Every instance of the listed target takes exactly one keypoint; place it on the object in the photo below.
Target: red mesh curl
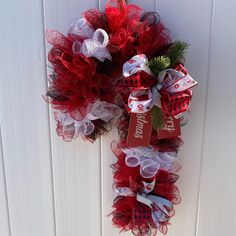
(96, 19)
(58, 40)
(152, 40)
(119, 14)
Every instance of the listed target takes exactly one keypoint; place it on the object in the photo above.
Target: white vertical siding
(24, 120)
(217, 184)
(52, 188)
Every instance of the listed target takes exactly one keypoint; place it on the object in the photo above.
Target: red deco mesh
(129, 214)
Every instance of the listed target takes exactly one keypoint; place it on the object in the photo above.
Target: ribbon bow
(150, 160)
(160, 207)
(84, 126)
(171, 90)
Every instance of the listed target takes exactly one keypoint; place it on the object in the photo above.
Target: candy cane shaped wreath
(119, 67)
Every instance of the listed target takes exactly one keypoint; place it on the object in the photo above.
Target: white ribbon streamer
(150, 160)
(96, 46)
(100, 110)
(95, 42)
(138, 106)
(135, 64)
(173, 81)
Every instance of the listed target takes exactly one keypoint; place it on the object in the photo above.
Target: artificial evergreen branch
(176, 52)
(159, 64)
(157, 118)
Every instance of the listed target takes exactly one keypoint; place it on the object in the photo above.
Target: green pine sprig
(176, 52)
(159, 64)
(157, 118)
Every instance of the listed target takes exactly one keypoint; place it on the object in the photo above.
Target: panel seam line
(5, 182)
(49, 124)
(204, 120)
